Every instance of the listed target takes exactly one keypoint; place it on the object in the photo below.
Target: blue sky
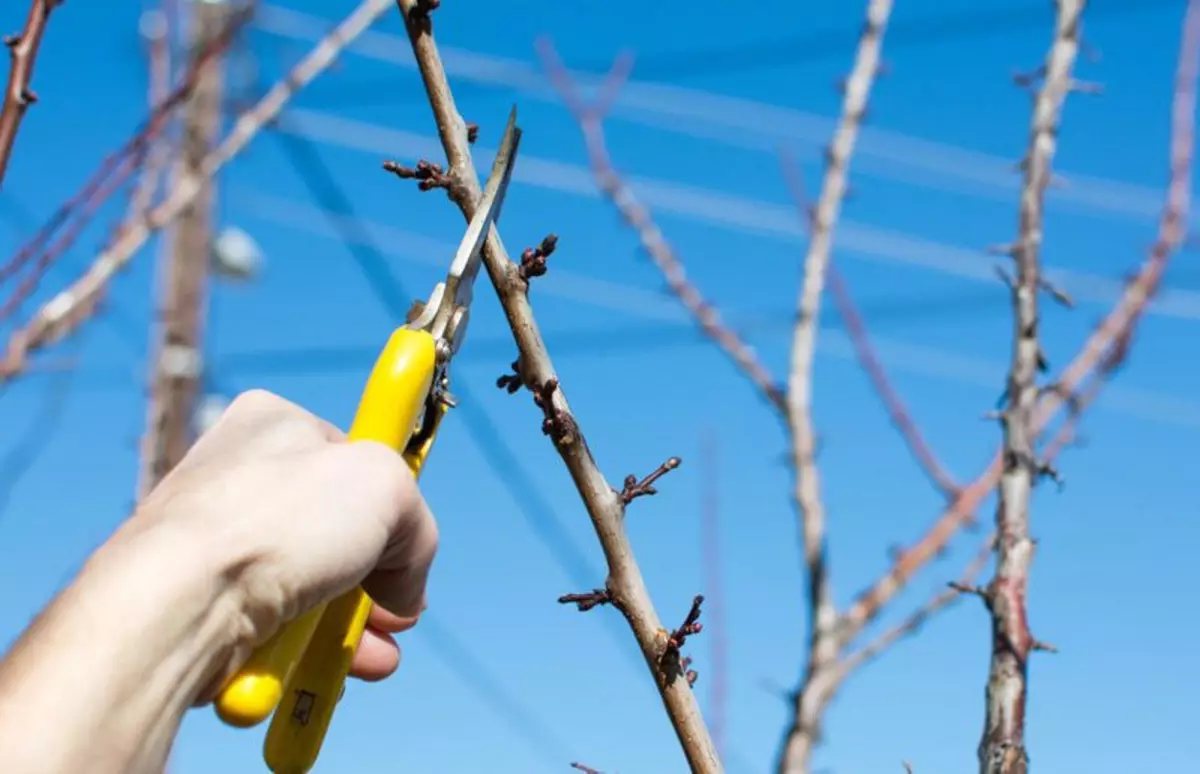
(499, 675)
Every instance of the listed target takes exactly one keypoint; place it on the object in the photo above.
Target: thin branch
(590, 118)
(913, 623)
(624, 583)
(18, 96)
(60, 316)
(864, 351)
(820, 674)
(1002, 748)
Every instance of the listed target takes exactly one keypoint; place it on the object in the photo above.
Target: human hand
(305, 516)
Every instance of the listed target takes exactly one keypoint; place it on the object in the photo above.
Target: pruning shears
(300, 672)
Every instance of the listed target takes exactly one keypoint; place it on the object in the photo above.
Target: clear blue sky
(499, 676)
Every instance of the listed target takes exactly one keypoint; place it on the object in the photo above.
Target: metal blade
(465, 267)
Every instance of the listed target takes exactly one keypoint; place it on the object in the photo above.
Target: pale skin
(272, 512)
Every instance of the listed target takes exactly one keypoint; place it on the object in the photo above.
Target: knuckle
(259, 401)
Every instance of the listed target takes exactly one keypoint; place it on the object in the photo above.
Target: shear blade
(465, 267)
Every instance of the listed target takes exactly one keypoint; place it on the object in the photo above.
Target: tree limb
(1002, 748)
(18, 96)
(824, 645)
(624, 585)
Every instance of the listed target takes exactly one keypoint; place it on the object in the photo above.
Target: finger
(383, 621)
(377, 656)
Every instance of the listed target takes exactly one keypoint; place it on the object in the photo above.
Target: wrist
(153, 618)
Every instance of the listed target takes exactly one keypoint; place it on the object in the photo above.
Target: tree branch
(63, 313)
(1002, 748)
(18, 96)
(590, 118)
(864, 351)
(624, 584)
(820, 675)
(913, 623)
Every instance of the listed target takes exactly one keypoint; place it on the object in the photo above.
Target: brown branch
(1002, 748)
(590, 118)
(18, 96)
(820, 679)
(60, 316)
(624, 584)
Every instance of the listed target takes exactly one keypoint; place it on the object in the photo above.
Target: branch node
(978, 591)
(634, 489)
(1043, 647)
(586, 601)
(1057, 293)
(512, 382)
(585, 769)
(427, 174)
(533, 260)
(671, 662)
(557, 424)
(472, 132)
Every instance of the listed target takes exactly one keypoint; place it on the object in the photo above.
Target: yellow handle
(298, 729)
(388, 412)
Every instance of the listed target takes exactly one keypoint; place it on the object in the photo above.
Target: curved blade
(461, 278)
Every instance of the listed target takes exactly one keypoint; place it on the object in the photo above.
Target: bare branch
(624, 583)
(864, 351)
(590, 118)
(913, 623)
(62, 314)
(23, 50)
(1002, 749)
(820, 680)
(634, 489)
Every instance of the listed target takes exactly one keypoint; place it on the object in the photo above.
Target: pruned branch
(18, 96)
(1002, 748)
(61, 315)
(624, 584)
(590, 118)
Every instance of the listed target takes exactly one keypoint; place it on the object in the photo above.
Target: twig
(624, 583)
(23, 50)
(57, 318)
(820, 673)
(590, 118)
(585, 769)
(1002, 748)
